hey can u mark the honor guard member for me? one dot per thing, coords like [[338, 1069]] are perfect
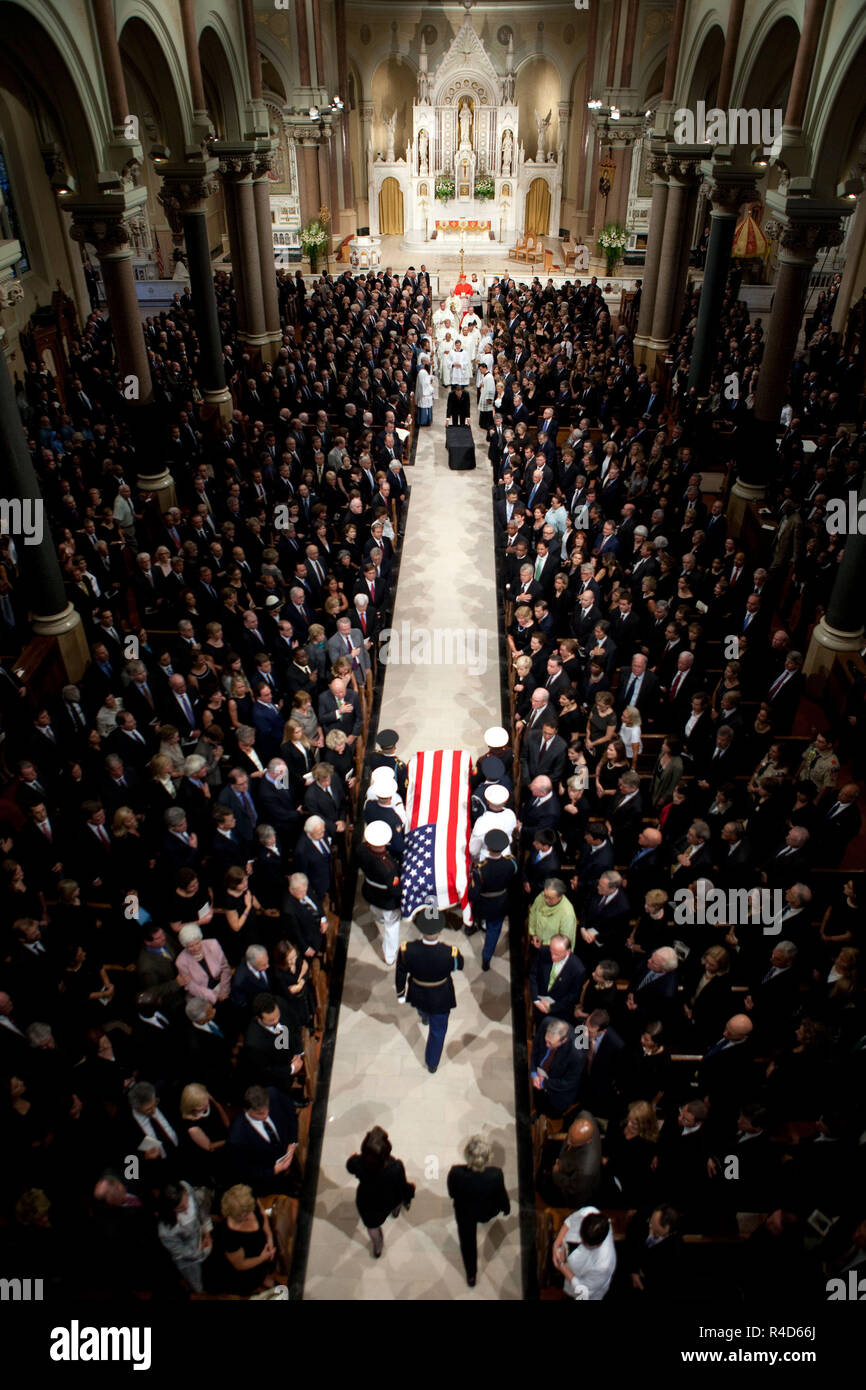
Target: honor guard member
[[498, 816], [498, 745], [424, 971], [386, 756], [488, 892], [383, 803], [381, 886], [493, 773]]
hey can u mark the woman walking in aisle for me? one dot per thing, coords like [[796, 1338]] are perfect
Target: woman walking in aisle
[[382, 1185]]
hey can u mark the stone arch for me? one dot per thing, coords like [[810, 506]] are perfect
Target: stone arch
[[764, 72], [148, 50], [393, 87], [837, 128], [220, 83], [538, 86], [703, 71]]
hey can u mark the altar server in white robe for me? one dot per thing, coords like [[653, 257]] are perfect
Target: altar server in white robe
[[460, 365], [446, 347], [439, 317], [470, 331]]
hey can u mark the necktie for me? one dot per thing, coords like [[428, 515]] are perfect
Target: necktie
[[835, 810], [271, 1128], [778, 683], [46, 831], [215, 1029], [320, 846]]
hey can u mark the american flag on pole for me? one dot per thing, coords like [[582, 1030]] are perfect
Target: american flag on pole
[[436, 853]]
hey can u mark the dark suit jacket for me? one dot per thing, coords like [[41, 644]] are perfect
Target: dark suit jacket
[[478, 1196], [308, 860], [302, 923], [599, 1083], [246, 985], [565, 990], [251, 1157], [551, 763], [266, 1064], [647, 696], [563, 1067], [277, 808]]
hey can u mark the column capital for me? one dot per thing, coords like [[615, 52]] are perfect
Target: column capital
[[657, 168], [109, 234], [183, 194], [801, 241], [681, 168], [727, 196]]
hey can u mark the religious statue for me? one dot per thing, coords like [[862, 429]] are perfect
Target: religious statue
[[422, 152], [390, 126], [542, 125], [464, 117], [507, 153]]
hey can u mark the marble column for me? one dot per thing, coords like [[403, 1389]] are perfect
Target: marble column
[[587, 140], [264, 232], [343, 90], [109, 233], [193, 61], [804, 62], [112, 66], [614, 43], [311, 193], [185, 201], [681, 179], [727, 197], [53, 614], [841, 628], [672, 57], [238, 171], [368, 110], [650, 278], [729, 55], [628, 43], [799, 244]]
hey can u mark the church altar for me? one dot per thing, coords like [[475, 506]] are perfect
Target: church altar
[[464, 134]]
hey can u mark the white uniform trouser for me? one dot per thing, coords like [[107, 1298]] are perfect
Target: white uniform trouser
[[389, 919]]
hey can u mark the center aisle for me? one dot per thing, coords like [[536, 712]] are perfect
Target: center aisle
[[446, 582]]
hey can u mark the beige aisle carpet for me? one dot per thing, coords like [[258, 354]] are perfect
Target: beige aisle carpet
[[379, 1077]]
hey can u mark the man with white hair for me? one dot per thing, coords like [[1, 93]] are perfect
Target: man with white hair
[[350, 641], [654, 988], [302, 919], [202, 968], [312, 857]]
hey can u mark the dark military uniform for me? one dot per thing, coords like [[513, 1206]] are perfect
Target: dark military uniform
[[429, 966], [492, 881], [397, 767]]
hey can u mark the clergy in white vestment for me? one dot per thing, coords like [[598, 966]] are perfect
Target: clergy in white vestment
[[459, 365], [446, 347]]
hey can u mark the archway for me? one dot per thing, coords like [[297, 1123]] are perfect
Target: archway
[[538, 88], [391, 208], [393, 90], [537, 214]]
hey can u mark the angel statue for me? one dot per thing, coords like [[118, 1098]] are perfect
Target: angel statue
[[542, 135], [390, 126], [507, 153], [422, 152]]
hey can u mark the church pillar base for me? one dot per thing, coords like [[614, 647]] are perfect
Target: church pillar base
[[742, 495], [162, 484], [827, 645], [217, 407], [66, 627]]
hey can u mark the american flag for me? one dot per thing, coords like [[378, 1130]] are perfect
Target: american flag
[[436, 853]]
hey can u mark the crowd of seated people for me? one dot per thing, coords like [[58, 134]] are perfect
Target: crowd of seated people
[[696, 1071], [175, 825]]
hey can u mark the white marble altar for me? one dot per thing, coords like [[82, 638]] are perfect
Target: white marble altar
[[465, 131]]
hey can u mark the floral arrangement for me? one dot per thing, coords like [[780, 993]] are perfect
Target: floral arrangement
[[611, 243], [444, 188], [313, 236], [485, 186]]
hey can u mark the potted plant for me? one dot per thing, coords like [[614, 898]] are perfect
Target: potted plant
[[485, 186], [444, 190], [313, 237], [612, 243]]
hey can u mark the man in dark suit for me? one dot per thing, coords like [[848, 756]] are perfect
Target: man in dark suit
[[773, 993], [340, 709], [555, 980], [134, 745], [626, 817], [653, 990], [303, 920], [724, 1069], [156, 972], [262, 1141], [267, 722], [556, 1068], [790, 862], [605, 919], [208, 1052], [312, 857], [277, 803], [693, 857], [601, 1059], [238, 798], [273, 1051], [784, 694], [638, 687], [642, 870], [652, 1253], [840, 824], [544, 753]]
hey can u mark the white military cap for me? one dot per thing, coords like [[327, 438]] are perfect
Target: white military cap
[[495, 794], [496, 738], [378, 834]]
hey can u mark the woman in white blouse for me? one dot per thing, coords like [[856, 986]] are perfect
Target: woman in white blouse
[[630, 733]]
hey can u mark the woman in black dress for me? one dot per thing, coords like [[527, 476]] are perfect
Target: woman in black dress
[[204, 1130], [189, 902], [244, 1245], [292, 983], [240, 911], [631, 1157], [382, 1185], [607, 775], [478, 1193]]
